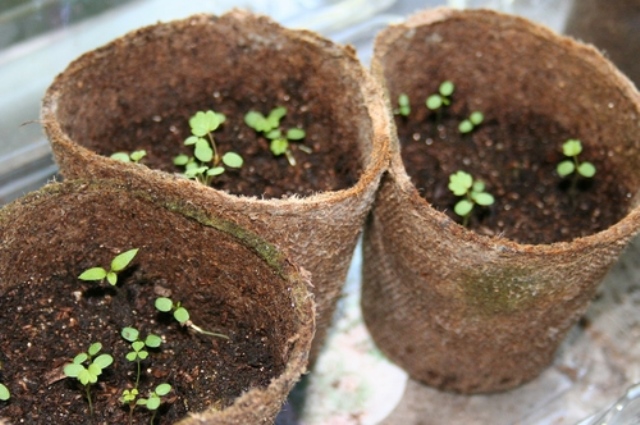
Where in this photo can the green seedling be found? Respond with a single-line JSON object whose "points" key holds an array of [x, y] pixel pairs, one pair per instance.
{"points": [[469, 124], [134, 156], [129, 397], [206, 162], [181, 314], [118, 264], [571, 149], [4, 393], [154, 400], [138, 351], [404, 108], [87, 367], [443, 98], [462, 184], [269, 126]]}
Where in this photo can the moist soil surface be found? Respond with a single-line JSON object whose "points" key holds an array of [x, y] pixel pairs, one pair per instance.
{"points": [[331, 163], [517, 160], [35, 343]]}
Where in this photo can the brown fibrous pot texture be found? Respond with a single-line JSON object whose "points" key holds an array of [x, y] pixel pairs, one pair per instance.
{"points": [[54, 234], [471, 313], [116, 97]]}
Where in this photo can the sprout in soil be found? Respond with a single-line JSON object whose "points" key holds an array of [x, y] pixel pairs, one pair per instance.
{"points": [[4, 393], [138, 347], [207, 162], [469, 124], [119, 263], [571, 149], [153, 402], [181, 314], [269, 126], [129, 397], [442, 98], [134, 156], [88, 375], [404, 108], [462, 184]]}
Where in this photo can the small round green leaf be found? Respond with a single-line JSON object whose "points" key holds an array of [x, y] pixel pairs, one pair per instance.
{"points": [[181, 315], [143, 355], [94, 273], [194, 172], [94, 349], [86, 377], [221, 117], [163, 389], [478, 186], [587, 169], [465, 127], [132, 356], [153, 341], [232, 159], [446, 88], [279, 146], [273, 134], [121, 156], [434, 101], [112, 278], [483, 198], [572, 147], [476, 117], [129, 333], [94, 371], [163, 304], [136, 156], [203, 151], [4, 393], [256, 121], [137, 345], [403, 99], [121, 261], [80, 358], [215, 171], [565, 168], [203, 123], [103, 361], [153, 402], [463, 207], [276, 115], [181, 160], [191, 140], [460, 183], [296, 134], [72, 370], [129, 396]]}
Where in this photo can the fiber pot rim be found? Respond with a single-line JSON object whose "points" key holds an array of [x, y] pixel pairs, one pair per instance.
{"points": [[304, 313], [624, 228], [370, 90]]}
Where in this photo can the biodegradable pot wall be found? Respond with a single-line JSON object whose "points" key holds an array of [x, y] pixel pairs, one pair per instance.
{"points": [[471, 312], [139, 91], [230, 280], [613, 26]]}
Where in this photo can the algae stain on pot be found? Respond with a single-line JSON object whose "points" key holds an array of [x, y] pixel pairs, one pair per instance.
{"points": [[502, 290]]}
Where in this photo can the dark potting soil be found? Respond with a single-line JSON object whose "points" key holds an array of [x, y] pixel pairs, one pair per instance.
{"points": [[517, 159], [45, 325], [329, 166]]}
